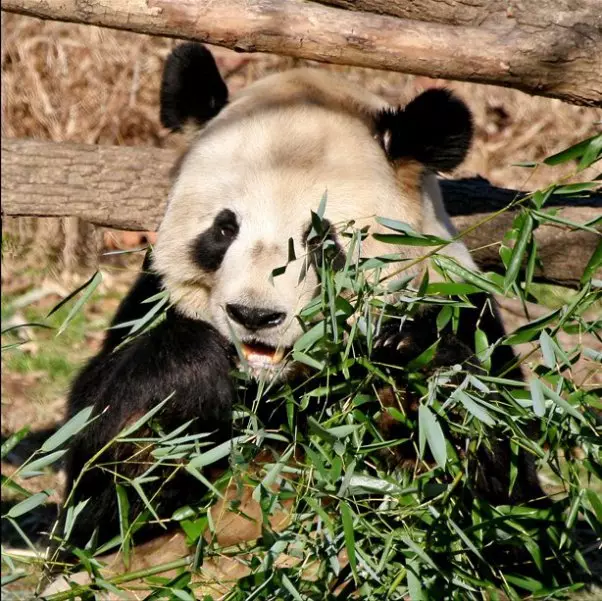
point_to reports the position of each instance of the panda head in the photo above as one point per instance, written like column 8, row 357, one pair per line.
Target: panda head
column 259, row 163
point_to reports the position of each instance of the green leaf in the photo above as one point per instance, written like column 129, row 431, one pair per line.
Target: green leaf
column 13, row 440
column 546, row 345
column 33, row 468
column 68, row 430
column 527, row 164
column 481, row 345
column 549, row 216
column 88, row 289
column 307, row 360
column 577, row 187
column 414, row 581
column 28, row 504
column 362, row 485
column 396, row 226
column 71, row 517
column 123, row 506
column 518, row 251
column 310, row 337
column 595, row 502
column 322, row 206
column 419, row 551
column 594, row 264
column 527, row 332
column 592, row 153
column 539, row 406
column 451, row 288
column 288, row 585
column 343, row 431
column 576, row 151
column 216, row 453
column 347, row 519
column 407, row 240
column 425, row 358
column 315, row 427
column 8, row 483
column 448, row 265
column 145, row 418
column 564, row 405
column 430, row 429
column 12, row 577
column 473, row 407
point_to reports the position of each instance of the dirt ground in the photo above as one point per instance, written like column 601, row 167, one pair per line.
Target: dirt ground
column 64, row 82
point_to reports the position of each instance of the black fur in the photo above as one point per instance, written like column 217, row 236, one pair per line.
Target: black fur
column 491, row 466
column 434, row 129
column 192, row 87
column 147, row 285
column 209, row 248
column 181, row 356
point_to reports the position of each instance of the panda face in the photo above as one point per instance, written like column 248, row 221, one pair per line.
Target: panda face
column 245, row 189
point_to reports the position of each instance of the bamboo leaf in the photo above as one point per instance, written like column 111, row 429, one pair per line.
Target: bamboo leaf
column 539, row 406
column 564, row 405
column 473, row 407
column 547, row 349
column 145, row 418
column 527, row 332
column 216, row 453
column 33, row 468
column 13, row 440
column 28, row 504
column 123, row 506
column 88, row 289
column 68, row 430
column 449, row 265
column 594, row 264
column 573, row 152
column 518, row 251
column 431, row 430
column 347, row 519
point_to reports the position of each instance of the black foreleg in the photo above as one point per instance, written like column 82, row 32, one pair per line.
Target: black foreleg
column 181, row 357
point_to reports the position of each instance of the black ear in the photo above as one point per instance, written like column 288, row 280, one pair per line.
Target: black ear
column 192, row 87
column 434, row 129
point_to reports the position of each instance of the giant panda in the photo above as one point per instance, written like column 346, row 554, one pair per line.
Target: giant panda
column 255, row 166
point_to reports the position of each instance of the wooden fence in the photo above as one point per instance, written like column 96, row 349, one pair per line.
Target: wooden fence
column 548, row 47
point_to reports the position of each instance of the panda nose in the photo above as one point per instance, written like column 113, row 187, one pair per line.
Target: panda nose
column 254, row 318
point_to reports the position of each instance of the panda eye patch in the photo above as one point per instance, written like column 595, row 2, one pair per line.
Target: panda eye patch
column 315, row 248
column 209, row 248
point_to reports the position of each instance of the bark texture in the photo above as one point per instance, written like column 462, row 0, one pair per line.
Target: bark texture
column 547, row 47
column 126, row 188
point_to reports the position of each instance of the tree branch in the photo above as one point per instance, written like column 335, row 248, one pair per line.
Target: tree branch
column 126, row 188
column 541, row 48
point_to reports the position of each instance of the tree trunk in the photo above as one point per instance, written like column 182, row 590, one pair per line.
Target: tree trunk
column 126, row 188
column 547, row 47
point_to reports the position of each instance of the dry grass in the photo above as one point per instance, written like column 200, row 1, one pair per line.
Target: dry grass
column 98, row 86
column 76, row 83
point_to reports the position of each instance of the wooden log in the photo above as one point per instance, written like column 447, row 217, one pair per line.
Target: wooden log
column 552, row 52
column 126, row 188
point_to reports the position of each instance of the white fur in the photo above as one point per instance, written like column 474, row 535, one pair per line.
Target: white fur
column 269, row 157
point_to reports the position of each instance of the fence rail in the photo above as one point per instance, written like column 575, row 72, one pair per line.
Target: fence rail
column 545, row 47
column 127, row 187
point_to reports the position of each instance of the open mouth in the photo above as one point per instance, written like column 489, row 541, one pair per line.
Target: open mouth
column 262, row 356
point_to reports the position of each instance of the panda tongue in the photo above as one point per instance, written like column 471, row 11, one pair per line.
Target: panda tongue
column 262, row 352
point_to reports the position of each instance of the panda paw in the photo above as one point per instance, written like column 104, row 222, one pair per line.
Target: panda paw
column 402, row 342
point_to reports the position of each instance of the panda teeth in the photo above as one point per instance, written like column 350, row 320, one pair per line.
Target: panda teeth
column 261, row 354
